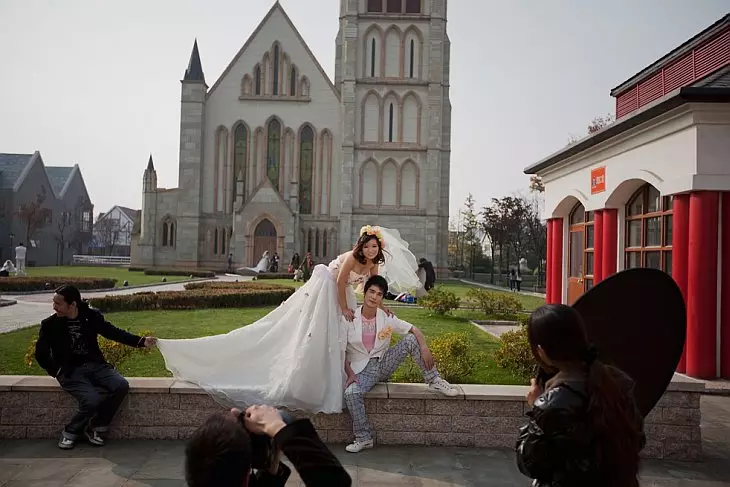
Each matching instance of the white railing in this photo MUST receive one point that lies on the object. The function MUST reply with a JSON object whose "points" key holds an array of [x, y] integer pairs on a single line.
{"points": [[102, 260]]}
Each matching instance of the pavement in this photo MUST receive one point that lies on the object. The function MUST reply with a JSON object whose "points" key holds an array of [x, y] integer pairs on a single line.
{"points": [[136, 463]]}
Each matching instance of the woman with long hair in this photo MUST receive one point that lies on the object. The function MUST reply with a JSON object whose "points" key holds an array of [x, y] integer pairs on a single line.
{"points": [[585, 428], [294, 356]]}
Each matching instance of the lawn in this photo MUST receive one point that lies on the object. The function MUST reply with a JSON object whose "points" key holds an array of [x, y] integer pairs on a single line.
{"points": [[121, 274], [189, 324]]}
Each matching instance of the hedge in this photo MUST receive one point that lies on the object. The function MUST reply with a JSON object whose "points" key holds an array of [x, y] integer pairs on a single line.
{"points": [[194, 299], [178, 272], [274, 275], [135, 269], [41, 283], [245, 285]]}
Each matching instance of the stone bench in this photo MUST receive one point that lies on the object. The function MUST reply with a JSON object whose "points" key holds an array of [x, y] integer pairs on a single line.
{"points": [[484, 416]]}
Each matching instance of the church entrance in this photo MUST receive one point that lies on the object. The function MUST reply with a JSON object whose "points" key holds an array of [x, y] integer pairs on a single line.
{"points": [[264, 238]]}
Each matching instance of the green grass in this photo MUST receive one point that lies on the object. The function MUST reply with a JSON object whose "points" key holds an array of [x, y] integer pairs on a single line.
{"points": [[191, 324], [135, 278]]}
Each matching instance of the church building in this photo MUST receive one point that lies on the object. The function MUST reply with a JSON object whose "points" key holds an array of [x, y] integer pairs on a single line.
{"points": [[276, 156]]}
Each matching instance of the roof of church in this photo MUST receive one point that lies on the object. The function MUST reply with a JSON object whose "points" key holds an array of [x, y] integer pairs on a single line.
{"points": [[58, 176], [150, 165], [195, 67], [11, 166], [275, 7]]}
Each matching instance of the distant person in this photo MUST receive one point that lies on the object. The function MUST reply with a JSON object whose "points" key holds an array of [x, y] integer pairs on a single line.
{"points": [[20, 252], [518, 281], [230, 262], [427, 266]]}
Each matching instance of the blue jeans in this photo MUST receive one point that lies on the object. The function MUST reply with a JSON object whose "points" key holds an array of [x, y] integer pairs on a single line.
{"points": [[99, 391]]}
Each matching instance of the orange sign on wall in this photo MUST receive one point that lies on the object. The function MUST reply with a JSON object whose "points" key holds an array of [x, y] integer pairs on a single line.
{"points": [[598, 180]]}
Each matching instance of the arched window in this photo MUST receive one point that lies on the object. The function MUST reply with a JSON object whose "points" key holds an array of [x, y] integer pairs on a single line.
{"points": [[171, 236], [276, 70], [580, 253], [316, 243], [293, 82], [165, 233], [411, 58], [273, 154], [649, 230], [306, 162], [390, 122], [324, 244], [168, 232], [372, 58], [223, 241], [257, 79], [215, 242], [240, 140]]}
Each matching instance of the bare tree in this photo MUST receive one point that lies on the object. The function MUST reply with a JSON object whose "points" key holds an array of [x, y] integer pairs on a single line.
{"points": [[108, 231], [33, 215], [63, 234], [598, 123]]}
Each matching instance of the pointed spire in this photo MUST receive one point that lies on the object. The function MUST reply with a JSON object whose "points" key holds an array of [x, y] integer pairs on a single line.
{"points": [[195, 68], [150, 165]]}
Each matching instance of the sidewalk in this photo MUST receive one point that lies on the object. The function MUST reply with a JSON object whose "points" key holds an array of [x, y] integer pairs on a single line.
{"points": [[499, 288]]}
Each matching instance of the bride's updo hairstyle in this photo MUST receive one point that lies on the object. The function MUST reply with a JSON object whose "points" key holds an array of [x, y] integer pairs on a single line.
{"points": [[357, 251]]}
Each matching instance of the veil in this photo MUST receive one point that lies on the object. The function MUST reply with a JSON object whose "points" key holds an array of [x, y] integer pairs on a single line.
{"points": [[400, 267]]}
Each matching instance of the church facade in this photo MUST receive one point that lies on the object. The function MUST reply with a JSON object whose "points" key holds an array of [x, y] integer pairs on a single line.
{"points": [[277, 156]]}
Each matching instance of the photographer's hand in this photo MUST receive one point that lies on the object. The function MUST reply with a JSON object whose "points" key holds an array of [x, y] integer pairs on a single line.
{"points": [[264, 420]]}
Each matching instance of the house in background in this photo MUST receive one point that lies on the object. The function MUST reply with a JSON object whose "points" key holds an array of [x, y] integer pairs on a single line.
{"points": [[46, 207], [113, 231]]}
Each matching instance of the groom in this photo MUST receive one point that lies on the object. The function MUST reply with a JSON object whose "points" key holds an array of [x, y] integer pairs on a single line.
{"points": [[369, 358]]}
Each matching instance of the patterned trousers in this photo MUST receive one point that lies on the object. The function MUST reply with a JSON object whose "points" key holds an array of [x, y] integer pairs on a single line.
{"points": [[380, 370]]}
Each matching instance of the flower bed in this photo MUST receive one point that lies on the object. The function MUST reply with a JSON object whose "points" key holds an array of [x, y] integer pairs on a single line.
{"points": [[48, 283], [223, 295]]}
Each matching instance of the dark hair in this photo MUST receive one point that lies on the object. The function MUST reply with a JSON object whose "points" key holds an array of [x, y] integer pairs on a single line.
{"points": [[377, 281], [559, 330], [357, 251], [71, 295], [218, 454]]}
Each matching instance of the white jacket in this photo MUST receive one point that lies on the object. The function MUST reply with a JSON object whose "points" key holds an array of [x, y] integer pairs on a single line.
{"points": [[356, 352]]}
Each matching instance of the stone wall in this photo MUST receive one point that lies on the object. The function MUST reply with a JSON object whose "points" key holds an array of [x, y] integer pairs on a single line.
{"points": [[402, 414]]}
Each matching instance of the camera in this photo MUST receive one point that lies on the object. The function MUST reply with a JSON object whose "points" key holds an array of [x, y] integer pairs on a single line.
{"points": [[265, 455]]}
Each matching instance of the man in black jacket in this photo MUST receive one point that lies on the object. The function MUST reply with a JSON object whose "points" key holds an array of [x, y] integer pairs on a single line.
{"points": [[221, 452], [430, 273], [68, 350]]}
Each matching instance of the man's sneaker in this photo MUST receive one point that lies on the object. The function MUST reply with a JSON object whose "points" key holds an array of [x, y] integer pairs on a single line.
{"points": [[358, 446], [440, 385], [66, 443], [94, 437]]}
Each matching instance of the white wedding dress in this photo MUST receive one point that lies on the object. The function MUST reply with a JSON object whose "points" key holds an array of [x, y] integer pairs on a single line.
{"points": [[262, 266], [294, 356]]}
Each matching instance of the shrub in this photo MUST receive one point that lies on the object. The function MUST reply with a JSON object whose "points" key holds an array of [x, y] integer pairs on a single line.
{"points": [[514, 353], [494, 304], [243, 296], [440, 301], [179, 272], [41, 283], [455, 358], [114, 353], [135, 269], [275, 275], [246, 285]]}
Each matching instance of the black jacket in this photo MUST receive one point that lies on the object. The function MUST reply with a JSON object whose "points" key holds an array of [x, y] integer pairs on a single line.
{"points": [[557, 446], [53, 348], [313, 461]]}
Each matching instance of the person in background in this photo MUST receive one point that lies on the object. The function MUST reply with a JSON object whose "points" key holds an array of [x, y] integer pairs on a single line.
{"points": [[20, 253], [518, 281]]}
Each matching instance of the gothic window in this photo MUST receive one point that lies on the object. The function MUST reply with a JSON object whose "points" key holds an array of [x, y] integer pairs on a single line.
{"points": [[325, 244], [215, 242], [273, 154], [240, 140], [390, 123], [165, 233], [369, 184], [293, 82], [304, 87], [371, 118], [276, 70], [394, 6], [409, 185], [306, 166], [649, 230], [223, 241], [393, 53], [257, 79], [375, 5], [389, 184], [171, 236], [411, 109], [413, 6], [411, 58], [316, 244], [372, 58]]}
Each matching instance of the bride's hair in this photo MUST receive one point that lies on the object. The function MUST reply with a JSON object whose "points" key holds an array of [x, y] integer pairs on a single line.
{"points": [[357, 251]]}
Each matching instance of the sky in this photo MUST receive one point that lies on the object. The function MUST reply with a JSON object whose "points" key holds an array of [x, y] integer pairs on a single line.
{"points": [[98, 82]]}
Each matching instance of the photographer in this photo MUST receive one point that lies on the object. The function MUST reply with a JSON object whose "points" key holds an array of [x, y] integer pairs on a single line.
{"points": [[228, 446]]}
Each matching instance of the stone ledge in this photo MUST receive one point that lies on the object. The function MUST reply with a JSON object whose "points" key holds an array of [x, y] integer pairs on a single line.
{"points": [[405, 414]]}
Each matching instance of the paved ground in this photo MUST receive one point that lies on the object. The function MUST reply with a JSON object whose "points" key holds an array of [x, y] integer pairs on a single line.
{"points": [[36, 463], [32, 308]]}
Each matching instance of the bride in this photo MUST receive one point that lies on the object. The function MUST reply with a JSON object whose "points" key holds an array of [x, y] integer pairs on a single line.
{"points": [[262, 266], [293, 357]]}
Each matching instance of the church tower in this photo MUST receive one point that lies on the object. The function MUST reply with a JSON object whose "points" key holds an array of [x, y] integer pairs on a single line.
{"points": [[392, 70], [192, 117]]}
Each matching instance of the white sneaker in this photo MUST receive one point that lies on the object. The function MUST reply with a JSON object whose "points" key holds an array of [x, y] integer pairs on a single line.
{"points": [[440, 385], [358, 446]]}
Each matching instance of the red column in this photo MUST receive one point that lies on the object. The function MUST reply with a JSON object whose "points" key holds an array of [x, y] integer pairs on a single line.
{"points": [[702, 285], [725, 292], [680, 249], [549, 263], [610, 242], [597, 247], [556, 276]]}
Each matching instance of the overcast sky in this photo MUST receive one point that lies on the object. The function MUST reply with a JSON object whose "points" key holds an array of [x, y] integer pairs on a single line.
{"points": [[98, 82]]}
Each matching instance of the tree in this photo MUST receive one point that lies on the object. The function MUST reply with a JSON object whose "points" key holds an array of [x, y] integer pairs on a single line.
{"points": [[492, 230], [107, 230], [33, 215], [514, 212], [471, 232], [598, 123], [62, 234]]}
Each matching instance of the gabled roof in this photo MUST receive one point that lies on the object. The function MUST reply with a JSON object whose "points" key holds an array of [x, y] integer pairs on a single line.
{"points": [[58, 177], [276, 7], [11, 167], [129, 212]]}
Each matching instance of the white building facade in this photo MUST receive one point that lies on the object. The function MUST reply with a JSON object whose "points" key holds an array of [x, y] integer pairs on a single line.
{"points": [[275, 156]]}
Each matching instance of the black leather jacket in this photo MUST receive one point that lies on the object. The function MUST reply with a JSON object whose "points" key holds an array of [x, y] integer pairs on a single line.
{"points": [[556, 448]]}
